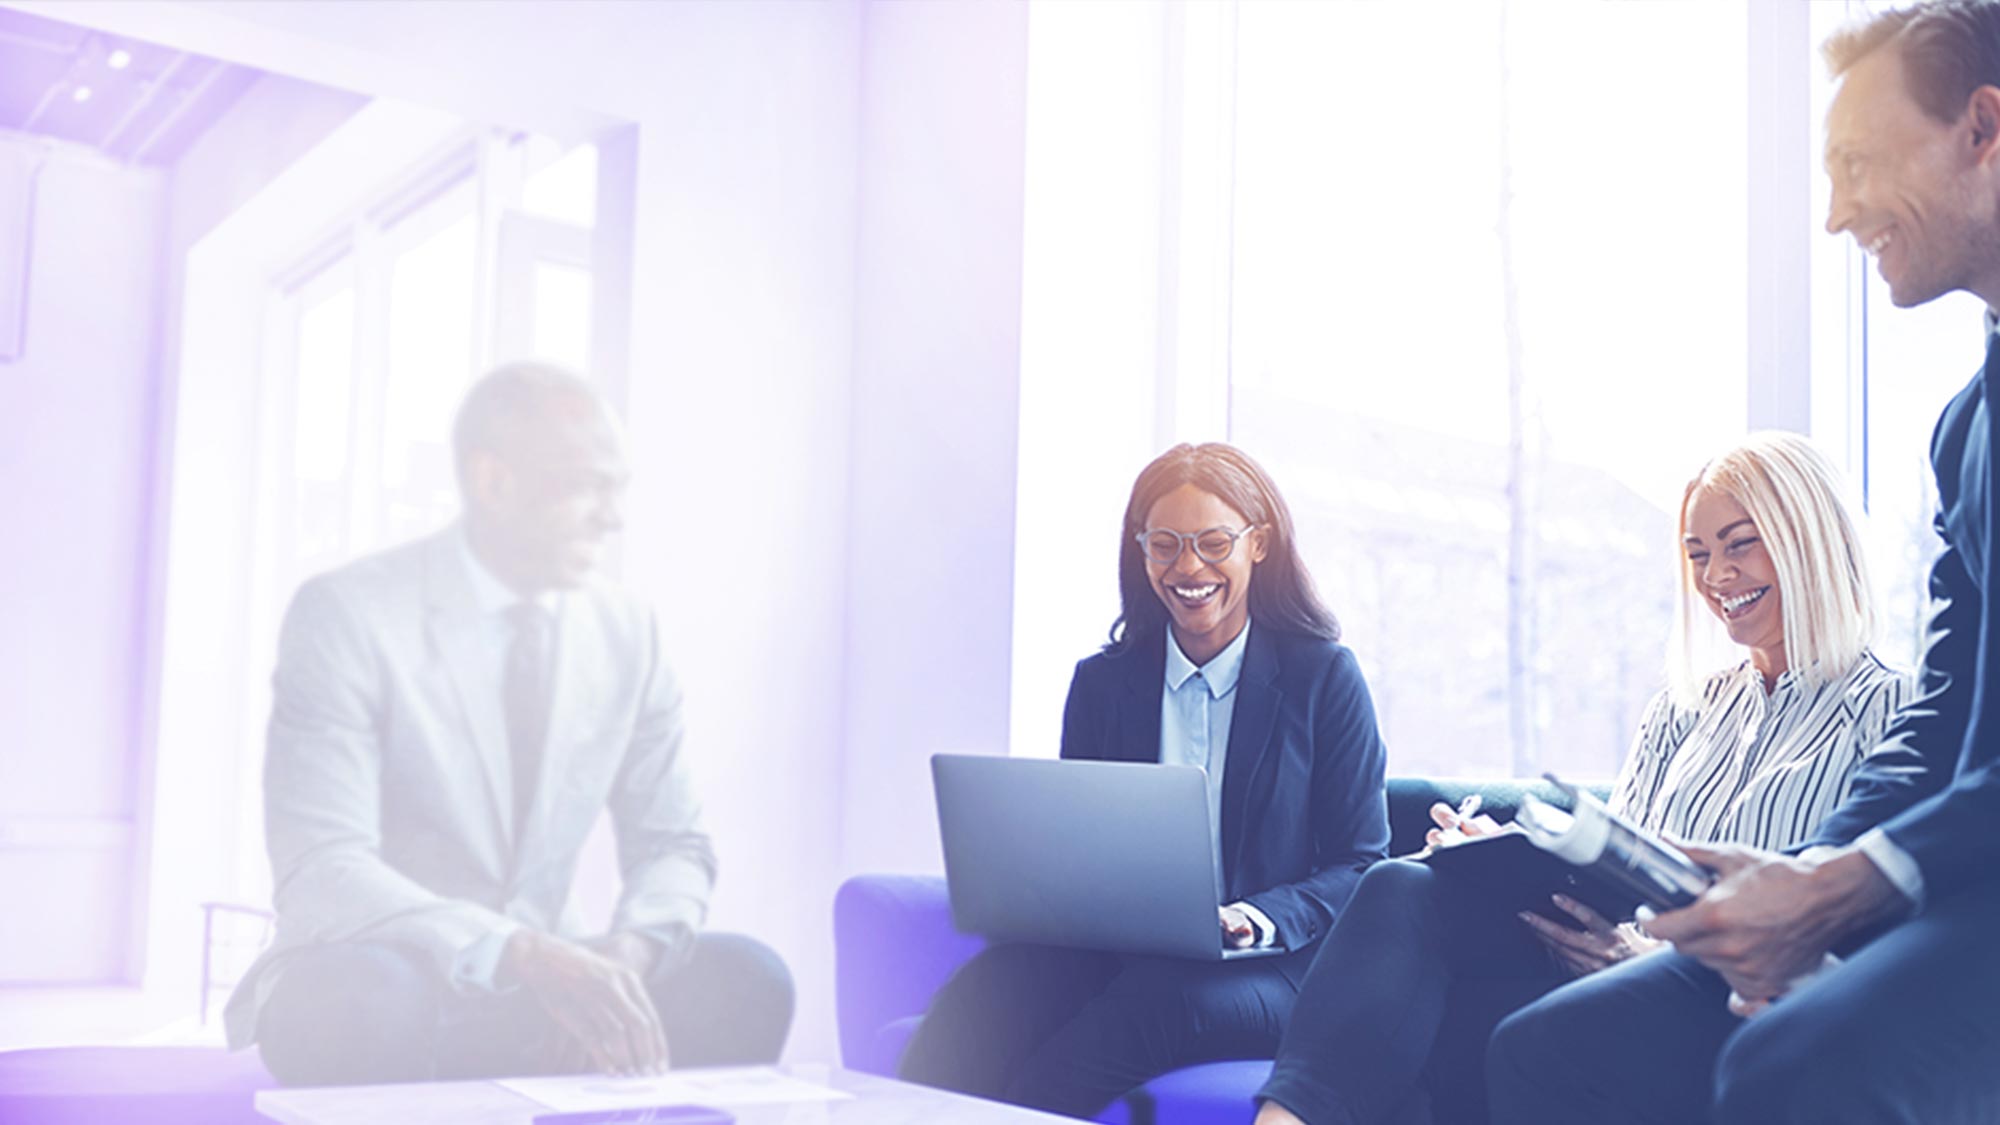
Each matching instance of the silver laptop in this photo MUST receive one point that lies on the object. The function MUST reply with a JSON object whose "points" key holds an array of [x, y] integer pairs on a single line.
{"points": [[1093, 855]]}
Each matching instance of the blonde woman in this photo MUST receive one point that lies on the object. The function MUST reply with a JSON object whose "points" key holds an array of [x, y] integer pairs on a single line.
{"points": [[1419, 969]]}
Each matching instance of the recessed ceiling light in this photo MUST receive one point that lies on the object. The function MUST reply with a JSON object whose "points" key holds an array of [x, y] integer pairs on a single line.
{"points": [[119, 59], [80, 94]]}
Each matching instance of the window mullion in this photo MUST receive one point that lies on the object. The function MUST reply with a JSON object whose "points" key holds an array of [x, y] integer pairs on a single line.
{"points": [[374, 258]]}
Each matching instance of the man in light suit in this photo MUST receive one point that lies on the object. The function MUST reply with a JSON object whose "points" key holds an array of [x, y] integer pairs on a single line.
{"points": [[449, 717]]}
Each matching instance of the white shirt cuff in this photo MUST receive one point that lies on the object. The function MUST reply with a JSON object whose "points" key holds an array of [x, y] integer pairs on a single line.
{"points": [[477, 964], [1267, 930], [1894, 863]]}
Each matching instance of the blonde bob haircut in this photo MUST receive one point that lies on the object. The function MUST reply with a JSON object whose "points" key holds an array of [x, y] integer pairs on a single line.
{"points": [[1798, 501]]}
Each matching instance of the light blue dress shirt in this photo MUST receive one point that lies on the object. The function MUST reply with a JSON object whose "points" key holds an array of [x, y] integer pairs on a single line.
{"points": [[1195, 712]]}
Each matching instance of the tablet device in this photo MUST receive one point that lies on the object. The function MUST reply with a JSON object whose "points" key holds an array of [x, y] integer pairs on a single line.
{"points": [[1512, 874]]}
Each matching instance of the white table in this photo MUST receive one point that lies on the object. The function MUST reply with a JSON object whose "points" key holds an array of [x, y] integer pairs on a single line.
{"points": [[876, 1101]]}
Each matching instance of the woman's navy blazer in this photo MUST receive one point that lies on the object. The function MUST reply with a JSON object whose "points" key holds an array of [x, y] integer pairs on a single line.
{"points": [[1303, 811]]}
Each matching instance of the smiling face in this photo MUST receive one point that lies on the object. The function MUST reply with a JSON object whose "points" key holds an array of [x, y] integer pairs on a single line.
{"points": [[1207, 602], [542, 510], [1736, 577], [1915, 193]]}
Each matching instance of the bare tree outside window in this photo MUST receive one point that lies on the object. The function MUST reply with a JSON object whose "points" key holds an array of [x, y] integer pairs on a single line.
{"points": [[1483, 346]]}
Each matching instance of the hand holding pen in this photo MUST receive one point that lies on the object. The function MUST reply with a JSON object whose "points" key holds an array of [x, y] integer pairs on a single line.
{"points": [[1455, 826]]}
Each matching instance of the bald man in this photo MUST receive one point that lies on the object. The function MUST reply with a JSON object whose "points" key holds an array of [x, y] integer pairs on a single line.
{"points": [[449, 718]]}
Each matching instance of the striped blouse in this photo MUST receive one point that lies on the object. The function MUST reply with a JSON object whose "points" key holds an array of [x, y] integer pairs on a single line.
{"points": [[1747, 768]]}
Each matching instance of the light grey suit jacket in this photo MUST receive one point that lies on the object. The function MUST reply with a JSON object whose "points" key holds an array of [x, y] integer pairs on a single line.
{"points": [[388, 798]]}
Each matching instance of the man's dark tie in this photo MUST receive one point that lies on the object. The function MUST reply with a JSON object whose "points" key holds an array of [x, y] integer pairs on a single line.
{"points": [[527, 690]]}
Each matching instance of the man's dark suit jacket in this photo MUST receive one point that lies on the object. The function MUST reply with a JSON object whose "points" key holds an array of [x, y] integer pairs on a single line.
{"points": [[1303, 812], [1934, 788]]}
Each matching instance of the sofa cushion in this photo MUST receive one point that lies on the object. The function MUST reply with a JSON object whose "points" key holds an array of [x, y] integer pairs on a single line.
{"points": [[1217, 1093], [894, 946], [890, 1041]]}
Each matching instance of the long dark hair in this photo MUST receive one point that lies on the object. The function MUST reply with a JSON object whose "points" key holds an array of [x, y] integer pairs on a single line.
{"points": [[1282, 595]]}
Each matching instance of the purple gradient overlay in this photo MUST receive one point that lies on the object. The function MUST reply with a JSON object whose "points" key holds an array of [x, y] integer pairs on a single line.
{"points": [[809, 302]]}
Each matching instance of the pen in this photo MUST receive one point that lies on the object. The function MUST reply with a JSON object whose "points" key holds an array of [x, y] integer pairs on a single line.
{"points": [[1456, 833], [1468, 807]]}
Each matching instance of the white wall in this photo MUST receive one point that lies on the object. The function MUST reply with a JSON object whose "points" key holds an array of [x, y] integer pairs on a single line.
{"points": [[1097, 330], [935, 399], [241, 200], [743, 296], [76, 430], [89, 494]]}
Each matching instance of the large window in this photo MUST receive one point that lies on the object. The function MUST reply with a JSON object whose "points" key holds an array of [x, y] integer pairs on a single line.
{"points": [[1487, 314], [1914, 361], [1881, 377]]}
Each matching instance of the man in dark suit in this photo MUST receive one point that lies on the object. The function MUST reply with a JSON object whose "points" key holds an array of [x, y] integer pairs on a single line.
{"points": [[1750, 1020], [449, 718]]}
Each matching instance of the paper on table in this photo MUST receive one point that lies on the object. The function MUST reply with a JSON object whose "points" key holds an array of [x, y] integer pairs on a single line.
{"points": [[724, 1086]]}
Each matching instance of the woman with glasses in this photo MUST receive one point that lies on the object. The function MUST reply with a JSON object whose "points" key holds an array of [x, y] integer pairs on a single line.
{"points": [[1222, 657], [1408, 987]]}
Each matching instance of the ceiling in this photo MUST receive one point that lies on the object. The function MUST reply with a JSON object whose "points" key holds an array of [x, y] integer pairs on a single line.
{"points": [[131, 100]]}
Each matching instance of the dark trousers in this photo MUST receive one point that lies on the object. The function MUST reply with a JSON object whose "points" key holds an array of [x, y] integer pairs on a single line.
{"points": [[1401, 998], [371, 1013], [1069, 1030], [1907, 1031]]}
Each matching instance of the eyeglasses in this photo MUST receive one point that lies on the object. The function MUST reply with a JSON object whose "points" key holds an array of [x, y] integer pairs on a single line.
{"points": [[1214, 545]]}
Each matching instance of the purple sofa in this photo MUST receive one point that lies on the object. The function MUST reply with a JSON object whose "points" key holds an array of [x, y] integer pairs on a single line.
{"points": [[155, 1085], [894, 945]]}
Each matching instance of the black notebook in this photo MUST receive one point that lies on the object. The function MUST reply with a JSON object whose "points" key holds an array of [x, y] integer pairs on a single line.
{"points": [[1512, 874]]}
